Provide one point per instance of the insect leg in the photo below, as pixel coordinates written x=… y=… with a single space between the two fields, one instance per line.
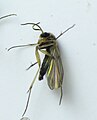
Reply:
x=22 y=46
x=61 y=95
x=65 y=31
x=45 y=52
x=47 y=45
x=30 y=88
x=7 y=16
x=37 y=56
x=31 y=65
x=29 y=91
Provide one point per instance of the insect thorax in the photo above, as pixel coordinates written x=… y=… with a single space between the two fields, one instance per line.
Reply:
x=45 y=40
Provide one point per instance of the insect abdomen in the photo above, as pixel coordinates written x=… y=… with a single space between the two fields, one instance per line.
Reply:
x=44 y=67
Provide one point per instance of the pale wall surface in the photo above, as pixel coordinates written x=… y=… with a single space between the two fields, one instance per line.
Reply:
x=78 y=51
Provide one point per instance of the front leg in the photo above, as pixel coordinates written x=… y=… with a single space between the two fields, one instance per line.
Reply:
x=44 y=46
x=46 y=53
x=37 y=56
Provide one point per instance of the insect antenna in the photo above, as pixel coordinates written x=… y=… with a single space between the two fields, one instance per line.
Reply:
x=65 y=31
x=22 y=46
x=29 y=93
x=34 y=24
x=7 y=16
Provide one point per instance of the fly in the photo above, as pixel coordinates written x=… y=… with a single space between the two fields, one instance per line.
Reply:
x=52 y=65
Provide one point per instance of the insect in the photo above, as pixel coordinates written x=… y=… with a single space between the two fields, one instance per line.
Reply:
x=52 y=65
x=7 y=16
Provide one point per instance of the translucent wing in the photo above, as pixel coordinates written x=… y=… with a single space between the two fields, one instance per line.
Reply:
x=55 y=69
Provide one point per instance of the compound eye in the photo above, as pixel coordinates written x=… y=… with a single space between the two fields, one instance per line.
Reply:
x=45 y=34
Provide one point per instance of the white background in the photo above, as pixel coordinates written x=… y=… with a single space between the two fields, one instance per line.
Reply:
x=78 y=51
